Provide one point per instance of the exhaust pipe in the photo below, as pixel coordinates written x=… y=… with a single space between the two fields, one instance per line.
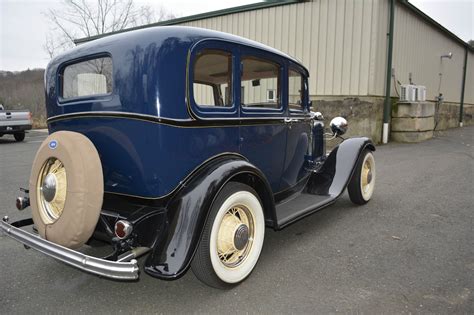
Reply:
x=134 y=253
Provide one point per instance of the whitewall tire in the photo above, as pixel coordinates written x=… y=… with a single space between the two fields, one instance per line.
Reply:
x=232 y=238
x=362 y=184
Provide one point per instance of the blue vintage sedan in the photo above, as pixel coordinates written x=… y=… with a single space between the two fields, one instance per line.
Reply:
x=181 y=144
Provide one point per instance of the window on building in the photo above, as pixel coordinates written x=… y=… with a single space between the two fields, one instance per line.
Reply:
x=271 y=95
x=295 y=91
x=87 y=78
x=260 y=80
x=212 y=81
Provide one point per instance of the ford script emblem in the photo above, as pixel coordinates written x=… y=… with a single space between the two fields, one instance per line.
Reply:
x=53 y=144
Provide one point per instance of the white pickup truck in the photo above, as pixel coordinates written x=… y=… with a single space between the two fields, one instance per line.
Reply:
x=14 y=122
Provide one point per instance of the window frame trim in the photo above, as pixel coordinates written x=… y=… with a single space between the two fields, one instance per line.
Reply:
x=304 y=80
x=59 y=84
x=266 y=56
x=211 y=111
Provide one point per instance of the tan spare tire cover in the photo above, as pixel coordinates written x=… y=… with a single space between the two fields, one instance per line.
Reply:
x=79 y=191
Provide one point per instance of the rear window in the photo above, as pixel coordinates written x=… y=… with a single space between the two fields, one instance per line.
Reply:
x=87 y=78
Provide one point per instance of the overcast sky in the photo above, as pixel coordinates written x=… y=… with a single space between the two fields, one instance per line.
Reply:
x=23 y=27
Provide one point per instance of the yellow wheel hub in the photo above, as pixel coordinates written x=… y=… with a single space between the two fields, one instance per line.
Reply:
x=235 y=236
x=51 y=190
x=366 y=174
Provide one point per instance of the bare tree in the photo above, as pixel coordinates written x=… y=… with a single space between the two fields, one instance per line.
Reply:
x=85 y=18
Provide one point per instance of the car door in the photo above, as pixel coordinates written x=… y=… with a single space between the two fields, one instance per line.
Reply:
x=212 y=101
x=262 y=112
x=298 y=129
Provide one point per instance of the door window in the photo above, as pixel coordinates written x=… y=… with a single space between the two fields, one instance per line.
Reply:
x=212 y=81
x=260 y=83
x=295 y=91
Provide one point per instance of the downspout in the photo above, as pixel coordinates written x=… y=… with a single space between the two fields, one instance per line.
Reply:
x=387 y=103
x=463 y=86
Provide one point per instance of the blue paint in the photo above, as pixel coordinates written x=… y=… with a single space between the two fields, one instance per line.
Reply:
x=147 y=158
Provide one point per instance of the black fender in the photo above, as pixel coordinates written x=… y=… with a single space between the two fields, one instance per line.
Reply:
x=336 y=172
x=188 y=209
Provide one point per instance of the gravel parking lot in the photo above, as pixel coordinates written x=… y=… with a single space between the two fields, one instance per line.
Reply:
x=409 y=250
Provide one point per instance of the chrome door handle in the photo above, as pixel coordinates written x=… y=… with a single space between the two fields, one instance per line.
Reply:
x=290 y=120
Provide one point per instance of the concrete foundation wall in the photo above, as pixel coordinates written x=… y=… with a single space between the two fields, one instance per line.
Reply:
x=448 y=116
x=364 y=114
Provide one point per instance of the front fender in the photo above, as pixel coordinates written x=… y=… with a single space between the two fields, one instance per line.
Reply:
x=337 y=170
x=187 y=212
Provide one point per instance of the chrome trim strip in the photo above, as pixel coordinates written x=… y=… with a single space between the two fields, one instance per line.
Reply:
x=101 y=267
x=164 y=120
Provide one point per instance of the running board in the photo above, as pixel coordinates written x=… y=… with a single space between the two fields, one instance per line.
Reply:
x=304 y=204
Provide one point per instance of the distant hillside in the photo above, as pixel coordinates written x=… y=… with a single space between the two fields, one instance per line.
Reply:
x=24 y=90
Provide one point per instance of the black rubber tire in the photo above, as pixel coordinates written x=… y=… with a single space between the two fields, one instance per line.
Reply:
x=354 y=188
x=19 y=136
x=201 y=264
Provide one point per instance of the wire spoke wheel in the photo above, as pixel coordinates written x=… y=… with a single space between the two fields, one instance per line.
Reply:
x=232 y=238
x=362 y=184
x=51 y=190
x=235 y=236
x=368 y=176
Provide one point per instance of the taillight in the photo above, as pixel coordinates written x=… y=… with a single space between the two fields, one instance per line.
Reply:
x=123 y=229
x=22 y=203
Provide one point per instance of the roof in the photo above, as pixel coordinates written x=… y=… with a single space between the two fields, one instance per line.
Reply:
x=187 y=35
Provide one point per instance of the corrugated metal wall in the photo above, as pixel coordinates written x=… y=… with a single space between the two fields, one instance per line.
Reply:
x=418 y=47
x=335 y=39
x=344 y=45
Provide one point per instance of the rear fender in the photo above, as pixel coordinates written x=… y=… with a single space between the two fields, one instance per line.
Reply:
x=187 y=212
x=338 y=168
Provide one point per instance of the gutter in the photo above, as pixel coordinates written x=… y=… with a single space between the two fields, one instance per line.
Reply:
x=463 y=87
x=387 y=101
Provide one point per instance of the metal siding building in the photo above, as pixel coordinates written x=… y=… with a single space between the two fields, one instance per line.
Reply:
x=309 y=32
x=418 y=47
x=344 y=45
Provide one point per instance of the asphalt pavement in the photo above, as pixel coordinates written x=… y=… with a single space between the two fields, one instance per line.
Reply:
x=410 y=250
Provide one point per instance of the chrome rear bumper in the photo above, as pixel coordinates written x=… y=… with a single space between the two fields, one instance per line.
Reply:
x=102 y=267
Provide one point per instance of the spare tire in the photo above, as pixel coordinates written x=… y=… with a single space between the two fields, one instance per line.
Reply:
x=66 y=189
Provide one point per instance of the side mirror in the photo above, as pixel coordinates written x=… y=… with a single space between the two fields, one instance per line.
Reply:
x=338 y=126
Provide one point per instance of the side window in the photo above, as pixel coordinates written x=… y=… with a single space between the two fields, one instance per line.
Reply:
x=260 y=84
x=295 y=91
x=212 y=81
x=87 y=78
